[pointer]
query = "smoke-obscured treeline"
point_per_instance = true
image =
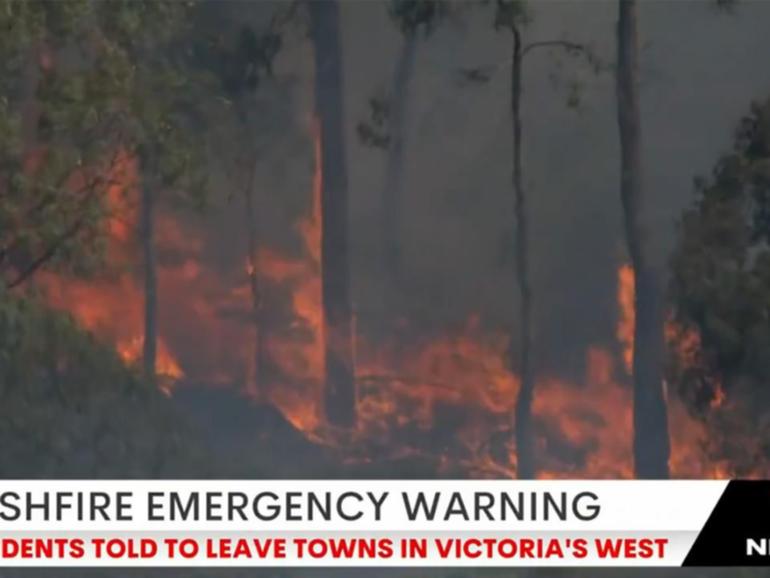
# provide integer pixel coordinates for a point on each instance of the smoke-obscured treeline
(408, 237)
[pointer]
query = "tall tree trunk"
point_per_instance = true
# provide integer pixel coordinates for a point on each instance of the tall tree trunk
(394, 173)
(256, 297)
(150, 279)
(651, 442)
(340, 390)
(525, 445)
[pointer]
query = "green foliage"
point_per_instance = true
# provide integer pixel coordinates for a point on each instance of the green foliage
(235, 46)
(87, 89)
(87, 85)
(721, 274)
(71, 408)
(60, 125)
(240, 65)
(166, 93)
(511, 14)
(414, 16)
(235, 51)
(375, 130)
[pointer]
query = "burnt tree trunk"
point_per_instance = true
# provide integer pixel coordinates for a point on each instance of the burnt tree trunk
(525, 457)
(340, 390)
(394, 174)
(651, 441)
(150, 342)
(256, 296)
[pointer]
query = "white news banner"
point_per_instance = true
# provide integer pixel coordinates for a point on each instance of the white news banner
(381, 523)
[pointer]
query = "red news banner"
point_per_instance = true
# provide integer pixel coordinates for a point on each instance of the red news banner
(379, 523)
(247, 550)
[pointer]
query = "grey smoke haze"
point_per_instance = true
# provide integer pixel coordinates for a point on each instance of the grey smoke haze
(701, 68)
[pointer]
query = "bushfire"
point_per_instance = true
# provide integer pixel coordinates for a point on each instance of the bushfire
(449, 396)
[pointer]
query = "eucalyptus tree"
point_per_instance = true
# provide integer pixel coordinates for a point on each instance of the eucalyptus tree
(651, 439)
(720, 290)
(415, 19)
(236, 45)
(339, 379)
(513, 16)
(385, 130)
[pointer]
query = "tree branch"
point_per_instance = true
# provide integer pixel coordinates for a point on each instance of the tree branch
(482, 74)
(564, 44)
(46, 255)
(54, 189)
(94, 188)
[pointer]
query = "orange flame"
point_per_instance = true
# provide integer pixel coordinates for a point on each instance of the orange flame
(626, 315)
(165, 365)
(694, 444)
(449, 396)
(111, 307)
(299, 355)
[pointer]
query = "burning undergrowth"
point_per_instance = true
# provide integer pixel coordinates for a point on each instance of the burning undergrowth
(447, 397)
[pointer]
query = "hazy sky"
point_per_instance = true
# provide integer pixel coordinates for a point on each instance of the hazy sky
(700, 69)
